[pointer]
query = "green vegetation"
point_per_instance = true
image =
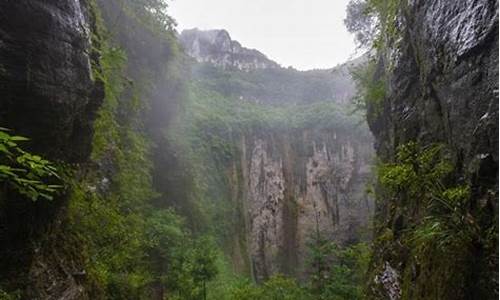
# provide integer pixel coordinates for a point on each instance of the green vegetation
(373, 22)
(371, 89)
(157, 211)
(277, 287)
(134, 238)
(337, 272)
(430, 227)
(28, 174)
(134, 247)
(339, 277)
(216, 111)
(9, 296)
(151, 13)
(276, 86)
(440, 235)
(209, 134)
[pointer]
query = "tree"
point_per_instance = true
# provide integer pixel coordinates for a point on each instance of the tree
(278, 287)
(203, 256)
(337, 272)
(165, 238)
(155, 11)
(361, 22)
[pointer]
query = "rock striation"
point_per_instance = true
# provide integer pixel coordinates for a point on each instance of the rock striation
(299, 184)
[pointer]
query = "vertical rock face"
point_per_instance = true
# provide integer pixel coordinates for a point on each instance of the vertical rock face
(47, 94)
(266, 204)
(300, 183)
(45, 75)
(443, 83)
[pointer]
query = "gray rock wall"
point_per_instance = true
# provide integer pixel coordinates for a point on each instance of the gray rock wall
(298, 183)
(46, 86)
(443, 88)
(217, 47)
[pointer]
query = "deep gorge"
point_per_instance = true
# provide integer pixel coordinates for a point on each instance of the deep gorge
(139, 162)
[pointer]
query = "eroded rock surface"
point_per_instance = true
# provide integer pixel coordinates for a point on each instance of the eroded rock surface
(301, 183)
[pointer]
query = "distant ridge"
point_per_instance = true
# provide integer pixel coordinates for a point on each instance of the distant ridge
(217, 47)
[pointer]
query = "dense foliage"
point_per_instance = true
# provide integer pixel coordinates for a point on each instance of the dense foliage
(217, 111)
(134, 248)
(439, 235)
(339, 276)
(337, 272)
(374, 24)
(277, 85)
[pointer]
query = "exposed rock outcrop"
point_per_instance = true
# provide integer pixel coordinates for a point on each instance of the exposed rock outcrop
(301, 183)
(217, 47)
(45, 75)
(442, 78)
(47, 94)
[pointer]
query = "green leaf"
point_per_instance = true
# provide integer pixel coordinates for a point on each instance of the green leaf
(24, 171)
(4, 136)
(19, 138)
(46, 196)
(4, 149)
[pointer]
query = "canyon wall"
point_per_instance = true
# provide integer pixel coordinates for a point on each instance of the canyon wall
(299, 184)
(442, 87)
(48, 94)
(78, 78)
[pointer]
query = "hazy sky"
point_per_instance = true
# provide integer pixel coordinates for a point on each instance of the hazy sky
(305, 34)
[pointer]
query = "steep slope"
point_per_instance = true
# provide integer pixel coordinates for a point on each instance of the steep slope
(82, 80)
(300, 183)
(48, 94)
(438, 241)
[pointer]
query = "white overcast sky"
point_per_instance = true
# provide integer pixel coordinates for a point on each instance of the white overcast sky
(305, 34)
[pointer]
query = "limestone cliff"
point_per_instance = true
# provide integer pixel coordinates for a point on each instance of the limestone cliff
(250, 76)
(217, 47)
(298, 184)
(442, 83)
